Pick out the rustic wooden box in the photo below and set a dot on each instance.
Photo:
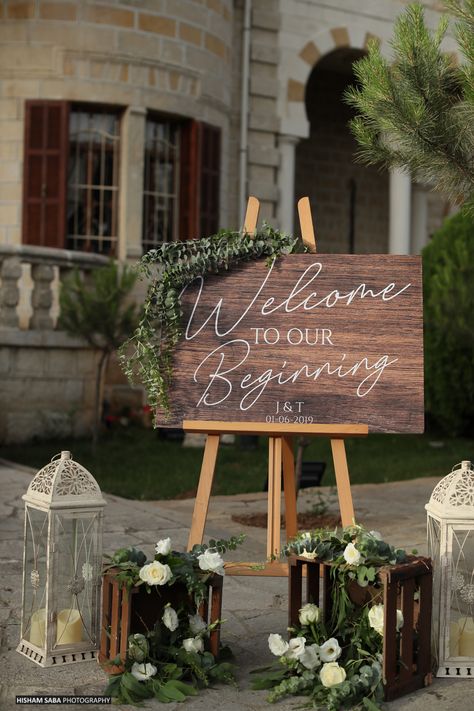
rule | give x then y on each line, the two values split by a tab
407	662
125	613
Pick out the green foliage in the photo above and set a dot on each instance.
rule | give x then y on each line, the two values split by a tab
417	111
448	277
171	267
98	310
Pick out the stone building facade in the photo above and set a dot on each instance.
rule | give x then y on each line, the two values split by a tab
124	123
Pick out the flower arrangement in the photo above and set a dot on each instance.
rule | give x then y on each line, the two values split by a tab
170	661
336	661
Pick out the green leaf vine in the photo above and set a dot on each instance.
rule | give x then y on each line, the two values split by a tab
148	354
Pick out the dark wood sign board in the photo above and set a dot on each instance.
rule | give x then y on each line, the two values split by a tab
317	338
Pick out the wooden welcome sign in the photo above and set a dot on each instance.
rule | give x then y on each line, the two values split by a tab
315	338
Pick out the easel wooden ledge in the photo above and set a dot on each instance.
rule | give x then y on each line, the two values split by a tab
280	452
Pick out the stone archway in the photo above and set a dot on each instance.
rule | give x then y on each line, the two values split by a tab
350	201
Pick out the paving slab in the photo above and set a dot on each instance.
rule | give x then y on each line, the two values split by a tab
253	606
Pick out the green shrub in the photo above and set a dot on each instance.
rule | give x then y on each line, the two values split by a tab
448	278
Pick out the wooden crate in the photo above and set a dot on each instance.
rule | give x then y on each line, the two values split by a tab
407	664
125	613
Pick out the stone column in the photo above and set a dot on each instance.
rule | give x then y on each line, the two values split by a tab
42	297
132	165
400	212
419	219
286	183
10	272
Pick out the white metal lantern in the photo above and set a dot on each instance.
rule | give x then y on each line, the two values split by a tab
62	564
450	514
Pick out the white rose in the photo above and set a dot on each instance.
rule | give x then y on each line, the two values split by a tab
310	657
142	672
277	645
296	647
170	618
330	650
193	644
351	554
196	623
309	614
211	561
163	546
332	674
376	619
156	573
311	555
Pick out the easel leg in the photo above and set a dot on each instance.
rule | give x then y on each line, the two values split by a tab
201	504
343	482
291	518
274	497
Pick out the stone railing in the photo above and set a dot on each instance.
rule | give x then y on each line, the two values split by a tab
29	283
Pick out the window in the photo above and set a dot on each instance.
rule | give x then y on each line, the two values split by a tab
181	181
71	172
71	178
93	181
161	184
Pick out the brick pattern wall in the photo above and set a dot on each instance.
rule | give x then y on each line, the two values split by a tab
161	55
325	165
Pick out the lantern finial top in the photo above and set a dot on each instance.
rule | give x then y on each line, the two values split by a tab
453	496
64	483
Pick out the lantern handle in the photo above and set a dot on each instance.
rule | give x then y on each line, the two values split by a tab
65	454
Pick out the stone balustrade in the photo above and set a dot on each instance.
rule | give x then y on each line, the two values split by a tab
29	283
47	378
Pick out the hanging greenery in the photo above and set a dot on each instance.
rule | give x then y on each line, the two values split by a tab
148	353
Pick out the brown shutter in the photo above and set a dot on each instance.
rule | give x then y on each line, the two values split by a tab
210	160
189	181
44	173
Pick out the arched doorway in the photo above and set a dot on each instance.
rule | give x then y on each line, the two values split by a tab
349	200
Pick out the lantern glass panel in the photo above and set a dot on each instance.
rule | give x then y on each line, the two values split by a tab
460	607
76	574
434	547
35	576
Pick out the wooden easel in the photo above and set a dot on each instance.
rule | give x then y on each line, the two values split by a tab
280	452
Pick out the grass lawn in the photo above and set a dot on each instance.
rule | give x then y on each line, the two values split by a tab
136	464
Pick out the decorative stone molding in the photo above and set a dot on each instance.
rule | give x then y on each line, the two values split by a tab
294	73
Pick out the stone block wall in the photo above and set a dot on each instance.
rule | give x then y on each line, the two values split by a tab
47	386
163	55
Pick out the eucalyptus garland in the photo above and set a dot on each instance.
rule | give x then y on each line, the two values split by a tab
148	353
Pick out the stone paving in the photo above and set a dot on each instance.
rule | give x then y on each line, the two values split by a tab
253	607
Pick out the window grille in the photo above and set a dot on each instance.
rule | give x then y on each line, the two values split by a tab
93	181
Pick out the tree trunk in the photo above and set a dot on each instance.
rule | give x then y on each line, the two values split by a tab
99	394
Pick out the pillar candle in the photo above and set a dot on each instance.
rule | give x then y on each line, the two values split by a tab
38	625
69	627
466	637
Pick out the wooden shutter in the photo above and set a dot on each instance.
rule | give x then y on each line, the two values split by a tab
210	164
199	180
189	181
44	173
